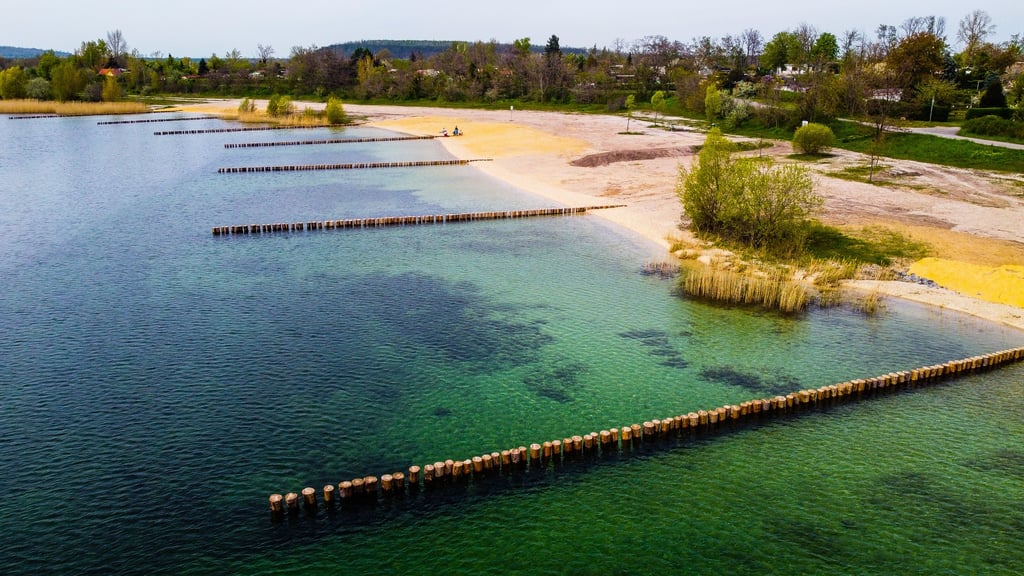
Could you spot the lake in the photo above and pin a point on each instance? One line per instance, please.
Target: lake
(157, 382)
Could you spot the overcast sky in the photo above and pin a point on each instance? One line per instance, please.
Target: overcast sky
(201, 28)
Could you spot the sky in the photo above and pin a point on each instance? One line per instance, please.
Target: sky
(201, 28)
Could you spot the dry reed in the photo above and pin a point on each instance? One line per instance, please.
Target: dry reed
(772, 290)
(71, 108)
(300, 119)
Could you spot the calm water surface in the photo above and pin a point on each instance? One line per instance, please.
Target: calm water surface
(157, 383)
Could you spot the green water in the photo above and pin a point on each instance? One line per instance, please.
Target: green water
(158, 383)
(929, 481)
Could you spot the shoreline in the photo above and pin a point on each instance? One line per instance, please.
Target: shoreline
(539, 153)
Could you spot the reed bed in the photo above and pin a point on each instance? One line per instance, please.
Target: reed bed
(305, 118)
(771, 290)
(71, 108)
(870, 304)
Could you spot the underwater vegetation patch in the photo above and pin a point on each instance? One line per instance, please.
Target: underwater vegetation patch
(558, 383)
(921, 495)
(771, 385)
(453, 319)
(658, 345)
(1007, 462)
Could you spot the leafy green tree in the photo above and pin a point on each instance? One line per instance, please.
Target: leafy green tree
(47, 62)
(657, 103)
(704, 188)
(111, 90)
(335, 111)
(993, 97)
(825, 50)
(93, 55)
(630, 100)
(779, 51)
(67, 81)
(712, 102)
(13, 83)
(749, 200)
(813, 138)
(38, 88)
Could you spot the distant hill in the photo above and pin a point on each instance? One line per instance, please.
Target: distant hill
(15, 53)
(403, 49)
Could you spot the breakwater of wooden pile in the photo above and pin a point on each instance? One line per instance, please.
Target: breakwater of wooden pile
(158, 120)
(349, 166)
(377, 222)
(330, 141)
(450, 474)
(246, 129)
(31, 116)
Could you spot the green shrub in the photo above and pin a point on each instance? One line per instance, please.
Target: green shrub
(813, 138)
(279, 105)
(246, 106)
(335, 111)
(979, 112)
(993, 126)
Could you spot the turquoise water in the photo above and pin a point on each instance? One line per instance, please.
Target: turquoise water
(157, 383)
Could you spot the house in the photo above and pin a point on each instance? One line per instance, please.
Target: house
(112, 72)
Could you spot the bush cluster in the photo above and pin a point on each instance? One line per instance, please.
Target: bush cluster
(993, 126)
(813, 138)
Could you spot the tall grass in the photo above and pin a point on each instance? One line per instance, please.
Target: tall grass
(306, 118)
(71, 108)
(772, 290)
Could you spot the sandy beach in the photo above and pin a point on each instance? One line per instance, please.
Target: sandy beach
(966, 216)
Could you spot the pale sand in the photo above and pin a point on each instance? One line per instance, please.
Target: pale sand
(967, 215)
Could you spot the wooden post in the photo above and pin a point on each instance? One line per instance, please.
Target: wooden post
(276, 504)
(414, 476)
(291, 501)
(329, 495)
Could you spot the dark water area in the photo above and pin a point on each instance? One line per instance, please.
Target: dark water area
(157, 383)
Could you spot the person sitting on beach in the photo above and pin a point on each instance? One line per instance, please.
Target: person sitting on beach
(444, 132)
(456, 131)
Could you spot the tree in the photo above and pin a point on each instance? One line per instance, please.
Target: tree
(657, 102)
(712, 102)
(67, 81)
(993, 97)
(13, 83)
(629, 110)
(117, 48)
(265, 52)
(335, 111)
(779, 51)
(38, 88)
(974, 28)
(748, 200)
(813, 138)
(93, 55)
(753, 42)
(111, 90)
(825, 50)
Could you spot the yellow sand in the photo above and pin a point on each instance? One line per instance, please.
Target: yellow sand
(488, 139)
(1000, 284)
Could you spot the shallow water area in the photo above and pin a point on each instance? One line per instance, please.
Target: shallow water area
(158, 383)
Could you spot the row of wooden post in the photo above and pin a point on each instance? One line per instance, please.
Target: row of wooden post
(400, 220)
(330, 141)
(608, 442)
(348, 166)
(182, 119)
(246, 129)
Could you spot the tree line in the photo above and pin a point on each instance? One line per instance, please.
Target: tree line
(897, 70)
